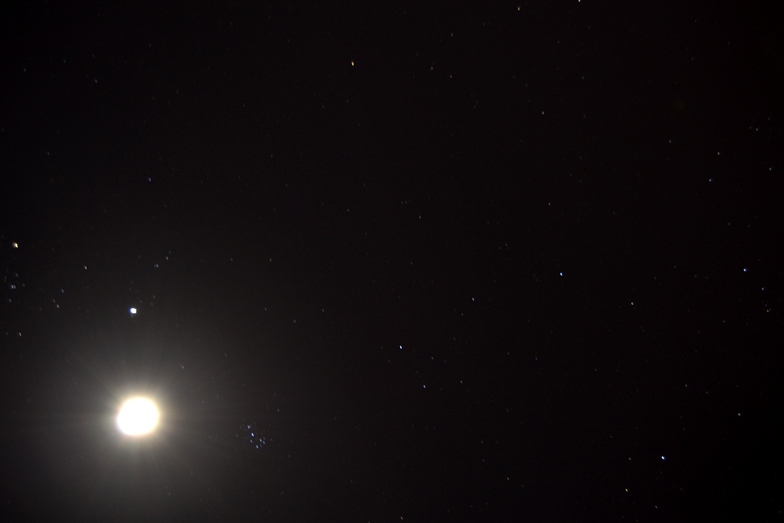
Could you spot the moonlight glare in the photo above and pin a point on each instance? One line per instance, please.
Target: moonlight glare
(137, 417)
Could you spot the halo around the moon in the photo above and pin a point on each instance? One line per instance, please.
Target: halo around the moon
(137, 417)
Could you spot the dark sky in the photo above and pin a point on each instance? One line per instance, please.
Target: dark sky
(483, 261)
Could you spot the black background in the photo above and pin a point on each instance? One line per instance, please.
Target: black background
(481, 261)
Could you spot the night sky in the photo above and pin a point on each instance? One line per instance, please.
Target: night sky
(482, 261)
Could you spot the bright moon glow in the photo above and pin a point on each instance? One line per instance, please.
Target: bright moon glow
(132, 310)
(137, 417)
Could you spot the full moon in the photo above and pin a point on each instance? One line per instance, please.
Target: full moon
(137, 417)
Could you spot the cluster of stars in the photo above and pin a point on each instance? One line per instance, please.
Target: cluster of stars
(250, 433)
